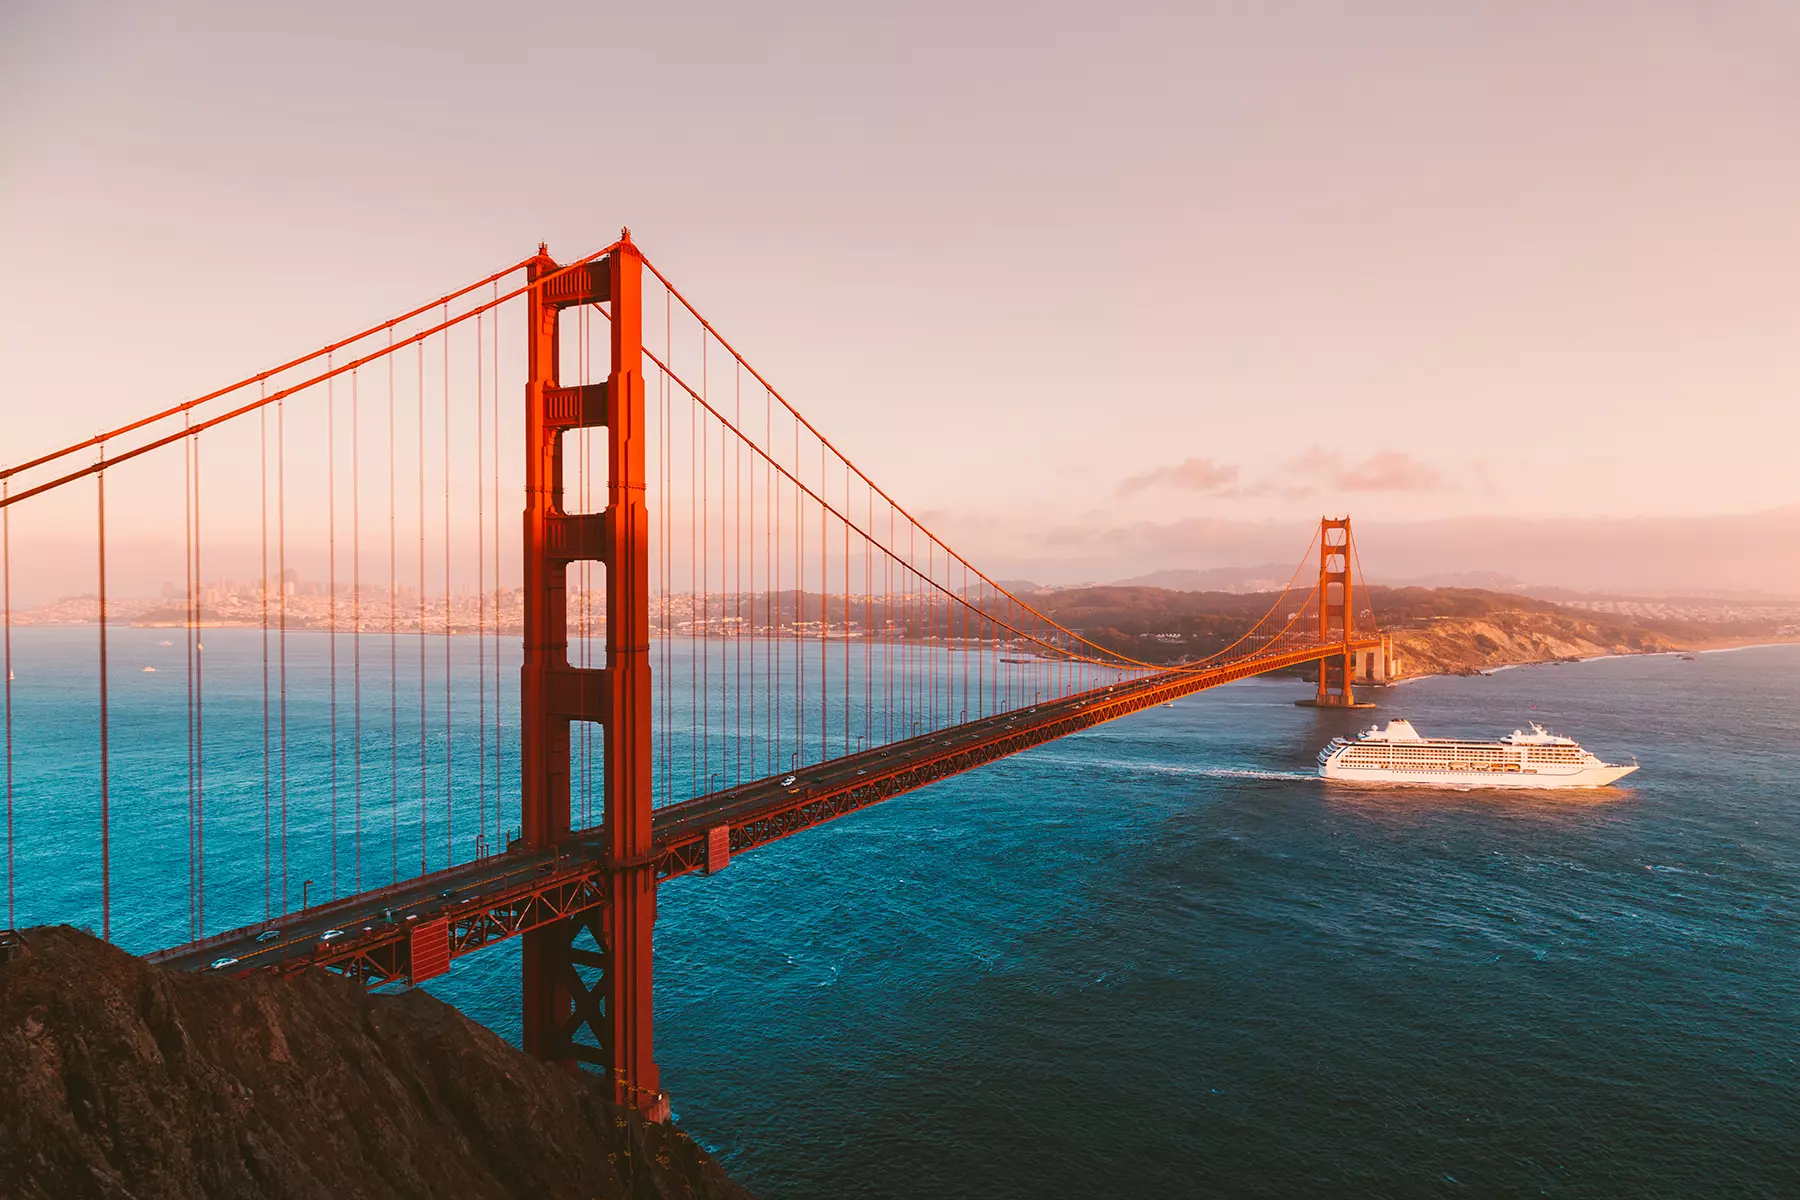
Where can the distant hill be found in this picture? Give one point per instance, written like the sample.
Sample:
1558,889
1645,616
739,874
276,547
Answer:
1267,578
1492,581
1270,577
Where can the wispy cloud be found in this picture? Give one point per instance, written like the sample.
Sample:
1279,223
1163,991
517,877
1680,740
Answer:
1317,471
1391,471
1306,474
1190,474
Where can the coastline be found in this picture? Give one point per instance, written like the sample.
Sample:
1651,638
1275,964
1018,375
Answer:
1710,646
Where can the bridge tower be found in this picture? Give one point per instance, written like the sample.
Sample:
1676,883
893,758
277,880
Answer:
1337,613
590,1003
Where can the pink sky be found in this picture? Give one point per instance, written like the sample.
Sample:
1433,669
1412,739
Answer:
1045,271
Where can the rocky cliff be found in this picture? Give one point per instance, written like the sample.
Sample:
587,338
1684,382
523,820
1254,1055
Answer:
119,1079
1466,645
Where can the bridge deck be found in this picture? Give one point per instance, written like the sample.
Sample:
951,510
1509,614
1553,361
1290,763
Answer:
368,936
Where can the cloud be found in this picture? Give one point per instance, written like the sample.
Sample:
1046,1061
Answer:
1391,471
1315,471
1306,474
1191,474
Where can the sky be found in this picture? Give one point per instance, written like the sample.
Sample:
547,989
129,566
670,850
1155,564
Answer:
1048,272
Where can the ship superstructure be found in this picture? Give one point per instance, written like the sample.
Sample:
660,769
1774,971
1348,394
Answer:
1398,754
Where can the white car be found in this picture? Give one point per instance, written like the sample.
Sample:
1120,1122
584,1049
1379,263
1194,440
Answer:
788,782
219,964
331,935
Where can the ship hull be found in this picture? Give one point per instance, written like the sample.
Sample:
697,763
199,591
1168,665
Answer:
1585,777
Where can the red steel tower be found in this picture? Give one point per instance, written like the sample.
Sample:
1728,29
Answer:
1334,572
590,1003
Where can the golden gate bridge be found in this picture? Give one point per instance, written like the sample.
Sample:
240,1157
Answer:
763,640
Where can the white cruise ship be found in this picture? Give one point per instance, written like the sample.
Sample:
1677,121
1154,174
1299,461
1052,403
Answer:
1397,754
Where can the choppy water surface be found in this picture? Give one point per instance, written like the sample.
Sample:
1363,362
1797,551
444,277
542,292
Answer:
1161,959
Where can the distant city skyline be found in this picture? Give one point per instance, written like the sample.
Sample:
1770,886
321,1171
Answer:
1096,298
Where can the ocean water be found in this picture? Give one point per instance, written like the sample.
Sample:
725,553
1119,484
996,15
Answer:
1159,958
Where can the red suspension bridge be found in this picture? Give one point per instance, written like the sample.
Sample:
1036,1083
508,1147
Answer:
724,633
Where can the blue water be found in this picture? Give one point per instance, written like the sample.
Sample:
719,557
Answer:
1160,959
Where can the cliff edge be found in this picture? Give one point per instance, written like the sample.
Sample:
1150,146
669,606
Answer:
1467,645
120,1079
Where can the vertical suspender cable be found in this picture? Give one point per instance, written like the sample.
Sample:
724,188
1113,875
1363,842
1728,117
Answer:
480,595
668,563
845,522
724,607
187,621
262,446
660,570
824,616
449,774
869,623
281,584
771,661
6,680
331,600
199,717
695,600
703,783
737,569
846,525
105,766
499,829
891,629
393,604
800,608
421,610
356,617
929,597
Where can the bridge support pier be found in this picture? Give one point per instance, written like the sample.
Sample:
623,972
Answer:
590,1005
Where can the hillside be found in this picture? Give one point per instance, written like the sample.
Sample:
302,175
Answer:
120,1079
1466,645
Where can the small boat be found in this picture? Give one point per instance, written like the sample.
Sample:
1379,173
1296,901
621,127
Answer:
149,670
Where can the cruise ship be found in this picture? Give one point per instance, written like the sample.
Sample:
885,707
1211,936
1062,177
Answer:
1397,754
